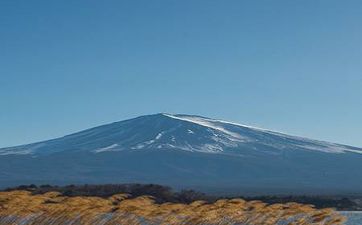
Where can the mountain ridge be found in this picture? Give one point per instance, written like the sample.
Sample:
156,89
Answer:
187,151
224,136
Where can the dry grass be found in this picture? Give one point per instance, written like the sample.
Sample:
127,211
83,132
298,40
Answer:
21,207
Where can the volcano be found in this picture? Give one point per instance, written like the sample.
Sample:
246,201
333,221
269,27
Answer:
187,151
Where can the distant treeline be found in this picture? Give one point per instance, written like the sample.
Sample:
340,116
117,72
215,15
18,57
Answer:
164,194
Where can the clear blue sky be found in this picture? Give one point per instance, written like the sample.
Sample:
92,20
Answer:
293,66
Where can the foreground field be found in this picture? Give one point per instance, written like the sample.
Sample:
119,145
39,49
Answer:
22,207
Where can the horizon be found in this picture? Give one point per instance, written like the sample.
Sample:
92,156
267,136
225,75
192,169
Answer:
288,66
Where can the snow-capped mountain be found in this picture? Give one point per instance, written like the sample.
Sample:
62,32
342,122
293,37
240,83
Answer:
184,150
179,132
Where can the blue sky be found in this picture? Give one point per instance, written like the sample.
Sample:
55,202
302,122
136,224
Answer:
293,66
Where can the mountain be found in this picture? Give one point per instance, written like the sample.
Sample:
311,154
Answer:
186,151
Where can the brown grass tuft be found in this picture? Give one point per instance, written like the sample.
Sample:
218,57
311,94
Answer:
21,207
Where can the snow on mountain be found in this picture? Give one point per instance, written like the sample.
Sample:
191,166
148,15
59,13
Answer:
106,149
207,123
178,132
187,151
305,143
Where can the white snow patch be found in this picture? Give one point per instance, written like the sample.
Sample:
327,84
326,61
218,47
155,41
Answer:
158,136
206,123
185,147
106,149
329,148
231,139
354,151
147,143
240,125
210,148
21,150
323,145
16,152
153,140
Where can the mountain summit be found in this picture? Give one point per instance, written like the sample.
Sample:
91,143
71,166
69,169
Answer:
186,151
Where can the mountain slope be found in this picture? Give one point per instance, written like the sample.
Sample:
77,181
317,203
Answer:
187,151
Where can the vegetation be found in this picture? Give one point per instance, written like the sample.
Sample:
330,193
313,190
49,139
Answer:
160,193
163,194
40,207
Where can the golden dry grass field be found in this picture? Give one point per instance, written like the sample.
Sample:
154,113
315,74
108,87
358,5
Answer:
21,207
